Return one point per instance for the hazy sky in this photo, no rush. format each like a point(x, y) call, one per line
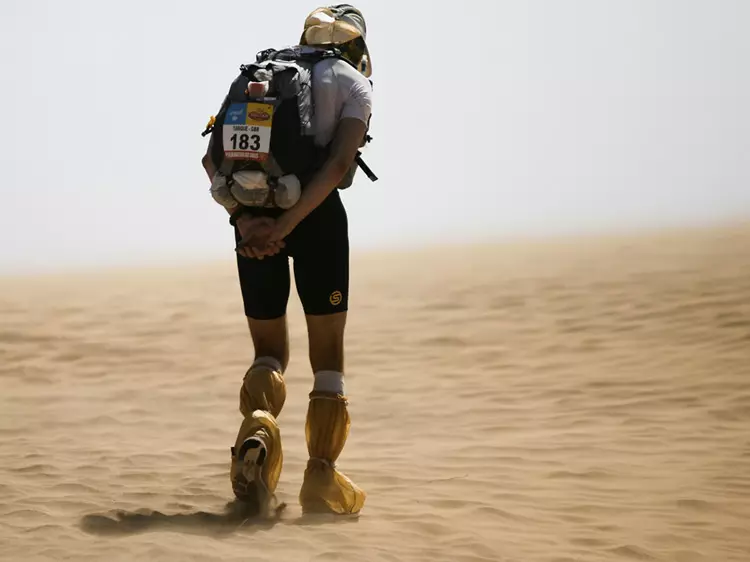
point(490, 119)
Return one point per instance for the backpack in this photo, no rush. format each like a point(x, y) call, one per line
point(265, 120)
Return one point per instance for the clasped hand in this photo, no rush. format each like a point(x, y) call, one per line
point(260, 236)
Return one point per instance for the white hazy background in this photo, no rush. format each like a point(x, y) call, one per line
point(491, 119)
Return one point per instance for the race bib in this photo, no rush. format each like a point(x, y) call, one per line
point(247, 131)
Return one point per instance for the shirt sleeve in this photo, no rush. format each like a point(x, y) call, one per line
point(357, 96)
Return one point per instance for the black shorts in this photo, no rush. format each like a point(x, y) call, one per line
point(319, 248)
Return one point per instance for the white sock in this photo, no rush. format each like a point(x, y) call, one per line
point(268, 361)
point(329, 381)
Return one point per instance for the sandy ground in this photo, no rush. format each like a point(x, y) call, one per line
point(582, 400)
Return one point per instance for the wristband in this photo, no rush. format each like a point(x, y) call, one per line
point(241, 210)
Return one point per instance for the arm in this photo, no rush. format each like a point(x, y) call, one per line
point(344, 148)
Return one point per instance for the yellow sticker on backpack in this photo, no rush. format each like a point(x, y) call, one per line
point(247, 131)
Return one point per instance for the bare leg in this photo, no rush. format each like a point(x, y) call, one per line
point(326, 340)
point(271, 339)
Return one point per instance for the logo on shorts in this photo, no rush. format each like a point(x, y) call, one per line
point(336, 298)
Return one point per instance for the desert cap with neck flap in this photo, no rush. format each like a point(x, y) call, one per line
point(336, 25)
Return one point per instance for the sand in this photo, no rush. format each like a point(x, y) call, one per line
point(584, 400)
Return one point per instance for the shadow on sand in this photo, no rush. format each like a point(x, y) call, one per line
point(235, 517)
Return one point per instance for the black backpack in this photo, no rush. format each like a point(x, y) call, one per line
point(238, 128)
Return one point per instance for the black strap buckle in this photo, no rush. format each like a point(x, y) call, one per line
point(365, 168)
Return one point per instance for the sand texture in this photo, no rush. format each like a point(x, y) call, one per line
point(586, 400)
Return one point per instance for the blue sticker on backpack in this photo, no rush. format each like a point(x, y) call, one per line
point(236, 114)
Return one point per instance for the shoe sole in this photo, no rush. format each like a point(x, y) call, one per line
point(253, 453)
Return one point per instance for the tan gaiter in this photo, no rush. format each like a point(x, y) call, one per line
point(324, 488)
point(262, 397)
point(262, 389)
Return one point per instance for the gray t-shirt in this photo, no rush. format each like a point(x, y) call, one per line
point(338, 91)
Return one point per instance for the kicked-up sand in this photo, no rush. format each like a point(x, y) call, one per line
point(577, 400)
